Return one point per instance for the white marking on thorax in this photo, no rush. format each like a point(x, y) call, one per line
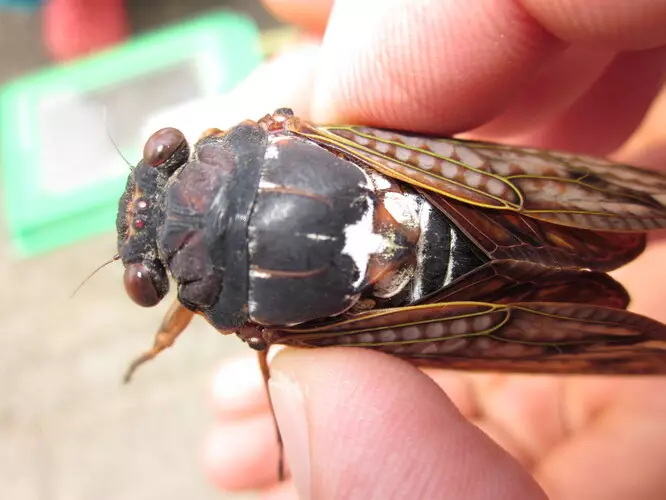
point(272, 150)
point(259, 274)
point(264, 184)
point(319, 237)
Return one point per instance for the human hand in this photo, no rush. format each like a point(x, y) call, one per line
point(377, 427)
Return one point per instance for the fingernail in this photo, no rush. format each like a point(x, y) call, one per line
point(290, 411)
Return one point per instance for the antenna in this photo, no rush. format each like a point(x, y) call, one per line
point(99, 268)
point(108, 134)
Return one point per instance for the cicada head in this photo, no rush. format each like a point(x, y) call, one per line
point(140, 212)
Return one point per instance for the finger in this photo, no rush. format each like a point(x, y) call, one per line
point(285, 81)
point(648, 153)
point(602, 119)
point(650, 135)
point(242, 455)
point(458, 387)
point(310, 15)
point(238, 390)
point(645, 280)
point(520, 413)
point(435, 67)
point(517, 412)
point(618, 25)
point(349, 416)
point(556, 87)
point(629, 438)
point(645, 277)
point(503, 438)
point(281, 491)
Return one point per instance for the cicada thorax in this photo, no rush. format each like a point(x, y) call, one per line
point(326, 232)
point(309, 206)
point(204, 236)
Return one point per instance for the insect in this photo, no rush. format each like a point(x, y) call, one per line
point(444, 252)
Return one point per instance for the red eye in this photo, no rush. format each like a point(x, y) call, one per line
point(162, 145)
point(140, 286)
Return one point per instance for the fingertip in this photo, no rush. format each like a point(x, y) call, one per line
point(237, 389)
point(648, 154)
point(241, 455)
point(368, 415)
point(286, 80)
point(645, 279)
point(395, 64)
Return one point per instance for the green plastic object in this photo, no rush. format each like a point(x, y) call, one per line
point(60, 127)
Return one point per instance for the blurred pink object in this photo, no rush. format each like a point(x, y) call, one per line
point(74, 28)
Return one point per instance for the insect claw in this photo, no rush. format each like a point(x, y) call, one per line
point(146, 356)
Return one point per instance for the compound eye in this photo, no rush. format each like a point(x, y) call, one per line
point(140, 286)
point(283, 113)
point(162, 145)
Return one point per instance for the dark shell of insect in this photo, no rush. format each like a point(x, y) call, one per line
point(452, 253)
point(273, 229)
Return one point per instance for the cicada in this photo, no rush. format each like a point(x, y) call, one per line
point(444, 252)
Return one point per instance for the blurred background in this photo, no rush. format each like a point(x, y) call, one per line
point(77, 76)
point(73, 73)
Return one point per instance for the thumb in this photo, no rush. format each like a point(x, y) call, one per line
point(360, 424)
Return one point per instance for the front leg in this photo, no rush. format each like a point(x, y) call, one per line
point(175, 321)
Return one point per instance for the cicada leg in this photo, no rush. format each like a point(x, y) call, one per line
point(265, 371)
point(175, 321)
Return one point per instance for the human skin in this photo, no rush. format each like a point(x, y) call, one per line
point(578, 76)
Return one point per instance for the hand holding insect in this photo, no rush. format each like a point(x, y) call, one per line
point(363, 425)
point(461, 66)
